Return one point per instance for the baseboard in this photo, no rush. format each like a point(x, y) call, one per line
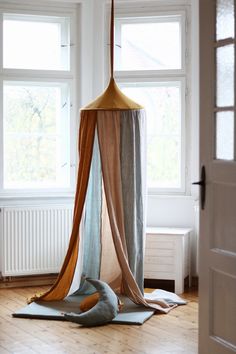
point(169, 285)
point(49, 279)
point(31, 280)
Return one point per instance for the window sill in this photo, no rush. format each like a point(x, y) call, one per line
point(169, 196)
point(19, 199)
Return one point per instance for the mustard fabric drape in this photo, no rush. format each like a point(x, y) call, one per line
point(86, 138)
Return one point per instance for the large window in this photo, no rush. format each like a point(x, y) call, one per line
point(37, 88)
point(151, 69)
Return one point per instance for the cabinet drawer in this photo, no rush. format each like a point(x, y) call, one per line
point(159, 244)
point(158, 275)
point(161, 252)
point(168, 268)
point(159, 260)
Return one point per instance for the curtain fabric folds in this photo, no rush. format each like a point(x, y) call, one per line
point(111, 159)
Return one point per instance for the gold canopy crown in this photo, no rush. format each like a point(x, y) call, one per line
point(112, 99)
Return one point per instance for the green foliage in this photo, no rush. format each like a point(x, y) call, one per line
point(30, 133)
point(163, 111)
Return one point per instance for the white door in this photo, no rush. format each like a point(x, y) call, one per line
point(217, 262)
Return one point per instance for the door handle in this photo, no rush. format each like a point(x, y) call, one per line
point(202, 184)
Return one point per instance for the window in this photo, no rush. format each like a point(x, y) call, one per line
point(37, 89)
point(162, 101)
point(151, 69)
point(36, 134)
point(149, 43)
point(36, 42)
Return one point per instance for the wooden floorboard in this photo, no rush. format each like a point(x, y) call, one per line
point(174, 333)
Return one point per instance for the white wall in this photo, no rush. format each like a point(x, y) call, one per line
point(171, 211)
point(168, 211)
point(176, 211)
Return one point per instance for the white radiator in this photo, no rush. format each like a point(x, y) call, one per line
point(34, 239)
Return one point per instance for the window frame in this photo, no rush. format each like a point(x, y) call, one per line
point(182, 75)
point(182, 83)
point(66, 32)
point(45, 76)
point(160, 18)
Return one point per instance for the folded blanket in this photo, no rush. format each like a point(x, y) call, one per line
point(170, 298)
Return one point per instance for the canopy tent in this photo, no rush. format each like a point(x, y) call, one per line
point(107, 239)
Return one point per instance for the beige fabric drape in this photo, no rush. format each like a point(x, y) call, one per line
point(110, 271)
point(108, 125)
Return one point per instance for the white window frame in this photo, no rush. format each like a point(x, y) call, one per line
point(135, 14)
point(48, 18)
point(160, 17)
point(182, 84)
point(59, 77)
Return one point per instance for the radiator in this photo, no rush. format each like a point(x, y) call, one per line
point(34, 239)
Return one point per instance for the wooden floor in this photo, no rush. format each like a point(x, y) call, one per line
point(170, 334)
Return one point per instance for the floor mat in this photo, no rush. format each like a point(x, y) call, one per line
point(54, 310)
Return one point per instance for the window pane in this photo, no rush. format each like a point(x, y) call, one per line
point(225, 76)
point(162, 102)
point(225, 135)
point(36, 134)
point(149, 45)
point(33, 42)
point(225, 19)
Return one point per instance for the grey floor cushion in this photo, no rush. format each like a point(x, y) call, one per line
point(103, 312)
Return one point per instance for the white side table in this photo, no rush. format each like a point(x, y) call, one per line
point(167, 255)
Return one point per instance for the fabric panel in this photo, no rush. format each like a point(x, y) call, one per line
point(132, 171)
point(109, 136)
point(86, 138)
point(108, 124)
point(109, 142)
point(110, 270)
point(92, 224)
point(75, 284)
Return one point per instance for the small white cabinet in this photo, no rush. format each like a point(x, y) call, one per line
point(167, 255)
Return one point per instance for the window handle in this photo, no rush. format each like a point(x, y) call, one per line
point(202, 184)
point(67, 45)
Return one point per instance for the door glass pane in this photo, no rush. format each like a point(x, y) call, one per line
point(36, 146)
point(33, 42)
point(149, 45)
point(162, 102)
point(225, 135)
point(225, 19)
point(225, 76)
